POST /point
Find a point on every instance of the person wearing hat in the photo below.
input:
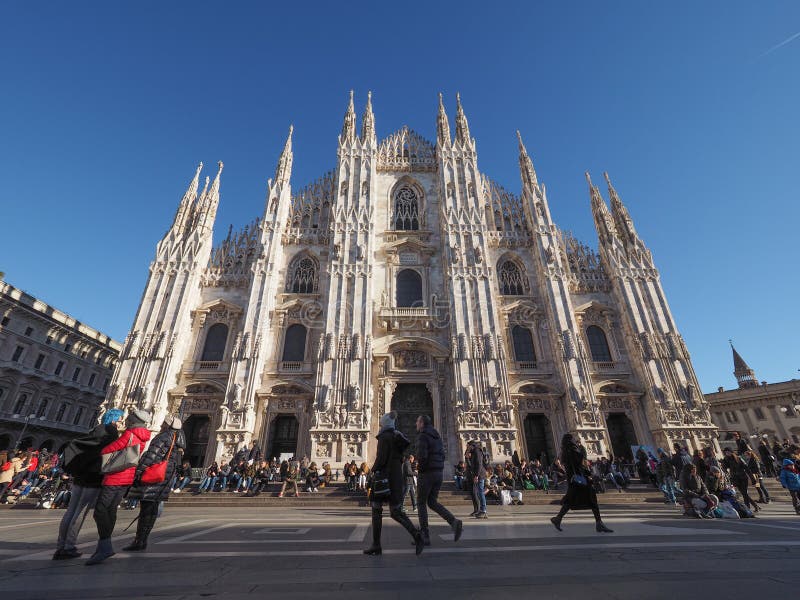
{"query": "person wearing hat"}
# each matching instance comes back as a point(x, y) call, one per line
point(389, 464)
point(167, 446)
point(82, 461)
point(116, 484)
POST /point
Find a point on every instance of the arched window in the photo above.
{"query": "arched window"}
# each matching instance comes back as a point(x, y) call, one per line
point(216, 338)
point(294, 344)
point(303, 277)
point(61, 410)
point(510, 278)
point(523, 344)
point(406, 209)
point(598, 344)
point(42, 408)
point(409, 288)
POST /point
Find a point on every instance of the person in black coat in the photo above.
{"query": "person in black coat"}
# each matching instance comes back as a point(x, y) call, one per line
point(82, 461)
point(389, 463)
point(580, 491)
point(168, 446)
point(430, 465)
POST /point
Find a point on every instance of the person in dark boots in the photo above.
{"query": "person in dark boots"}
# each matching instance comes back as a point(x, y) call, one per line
point(116, 483)
point(430, 465)
point(167, 446)
point(580, 491)
point(389, 463)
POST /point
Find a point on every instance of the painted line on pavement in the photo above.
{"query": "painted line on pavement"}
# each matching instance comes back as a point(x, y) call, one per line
point(358, 533)
point(454, 550)
point(25, 524)
point(48, 554)
point(195, 534)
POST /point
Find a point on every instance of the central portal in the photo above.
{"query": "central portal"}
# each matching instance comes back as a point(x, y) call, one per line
point(409, 401)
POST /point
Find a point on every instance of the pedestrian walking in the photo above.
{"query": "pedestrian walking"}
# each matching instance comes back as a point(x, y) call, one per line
point(167, 447)
point(580, 491)
point(410, 481)
point(388, 468)
point(430, 466)
point(477, 466)
point(119, 461)
point(82, 462)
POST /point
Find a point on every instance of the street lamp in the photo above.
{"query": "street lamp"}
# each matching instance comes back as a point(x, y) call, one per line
point(24, 427)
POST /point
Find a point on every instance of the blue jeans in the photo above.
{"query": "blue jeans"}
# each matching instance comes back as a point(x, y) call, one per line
point(244, 483)
point(223, 485)
point(459, 479)
point(668, 488)
point(208, 483)
point(478, 490)
point(182, 483)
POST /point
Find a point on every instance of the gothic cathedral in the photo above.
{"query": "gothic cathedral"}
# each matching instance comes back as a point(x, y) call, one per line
point(407, 280)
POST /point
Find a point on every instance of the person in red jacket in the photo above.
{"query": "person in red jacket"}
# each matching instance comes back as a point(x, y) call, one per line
point(115, 485)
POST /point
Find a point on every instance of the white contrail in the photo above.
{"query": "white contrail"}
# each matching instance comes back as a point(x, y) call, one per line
point(783, 43)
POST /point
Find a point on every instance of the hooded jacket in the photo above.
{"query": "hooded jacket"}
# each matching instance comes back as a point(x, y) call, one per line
point(790, 479)
point(134, 435)
point(430, 450)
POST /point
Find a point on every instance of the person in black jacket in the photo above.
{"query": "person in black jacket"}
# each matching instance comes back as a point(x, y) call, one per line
point(168, 446)
point(580, 491)
point(477, 467)
point(389, 463)
point(82, 461)
point(430, 464)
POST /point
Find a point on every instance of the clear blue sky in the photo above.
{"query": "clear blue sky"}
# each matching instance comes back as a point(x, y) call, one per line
point(106, 108)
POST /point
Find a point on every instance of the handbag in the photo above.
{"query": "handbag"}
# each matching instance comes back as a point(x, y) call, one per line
point(379, 490)
point(121, 459)
point(579, 480)
point(157, 472)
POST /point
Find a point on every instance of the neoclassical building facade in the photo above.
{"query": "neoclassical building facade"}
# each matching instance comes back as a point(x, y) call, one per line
point(54, 372)
point(406, 279)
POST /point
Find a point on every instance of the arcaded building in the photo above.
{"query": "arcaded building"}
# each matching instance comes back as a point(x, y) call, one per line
point(405, 278)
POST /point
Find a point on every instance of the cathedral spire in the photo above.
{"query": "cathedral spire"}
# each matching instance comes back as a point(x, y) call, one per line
point(349, 125)
point(603, 221)
point(284, 170)
point(188, 200)
point(622, 218)
point(526, 170)
point(743, 373)
point(368, 122)
point(442, 125)
point(462, 127)
point(209, 201)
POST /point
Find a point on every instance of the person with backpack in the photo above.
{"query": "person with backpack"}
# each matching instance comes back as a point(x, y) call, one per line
point(430, 466)
point(118, 475)
point(163, 454)
point(82, 462)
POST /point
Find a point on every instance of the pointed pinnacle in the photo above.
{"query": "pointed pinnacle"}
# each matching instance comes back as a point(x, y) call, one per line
point(589, 180)
point(441, 101)
point(459, 108)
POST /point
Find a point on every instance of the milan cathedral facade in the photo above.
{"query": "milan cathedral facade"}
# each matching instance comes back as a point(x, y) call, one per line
point(406, 279)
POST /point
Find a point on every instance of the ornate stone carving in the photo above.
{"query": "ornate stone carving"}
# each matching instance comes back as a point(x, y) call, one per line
point(410, 359)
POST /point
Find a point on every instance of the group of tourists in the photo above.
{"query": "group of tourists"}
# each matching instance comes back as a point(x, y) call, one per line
point(118, 459)
point(22, 471)
point(250, 475)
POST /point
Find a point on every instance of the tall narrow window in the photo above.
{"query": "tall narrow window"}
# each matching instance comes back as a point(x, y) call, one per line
point(406, 209)
point(20, 405)
point(61, 410)
point(409, 288)
point(92, 377)
point(294, 344)
point(59, 367)
point(17, 353)
point(598, 344)
point(42, 408)
point(76, 373)
point(303, 277)
point(39, 361)
point(216, 338)
point(510, 279)
point(523, 344)
point(78, 414)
